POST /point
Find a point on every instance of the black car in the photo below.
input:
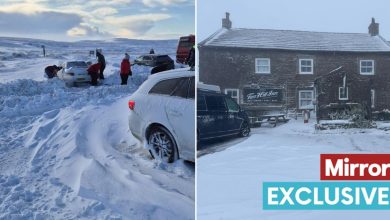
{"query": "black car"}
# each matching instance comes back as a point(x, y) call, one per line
point(158, 62)
point(218, 115)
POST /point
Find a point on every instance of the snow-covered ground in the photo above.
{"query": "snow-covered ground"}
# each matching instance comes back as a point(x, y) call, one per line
point(66, 153)
point(229, 182)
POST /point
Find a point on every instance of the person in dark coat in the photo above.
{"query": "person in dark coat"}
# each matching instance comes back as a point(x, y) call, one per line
point(151, 51)
point(51, 71)
point(191, 57)
point(125, 69)
point(102, 62)
point(93, 71)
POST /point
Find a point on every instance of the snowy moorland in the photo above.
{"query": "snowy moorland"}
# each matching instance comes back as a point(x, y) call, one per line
point(67, 153)
point(229, 182)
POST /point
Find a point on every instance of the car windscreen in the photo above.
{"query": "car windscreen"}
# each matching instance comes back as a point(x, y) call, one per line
point(232, 105)
point(215, 103)
point(77, 64)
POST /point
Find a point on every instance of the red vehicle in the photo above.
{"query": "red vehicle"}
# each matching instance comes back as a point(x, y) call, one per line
point(183, 48)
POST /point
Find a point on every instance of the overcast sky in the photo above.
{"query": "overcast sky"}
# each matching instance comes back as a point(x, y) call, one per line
point(352, 16)
point(71, 20)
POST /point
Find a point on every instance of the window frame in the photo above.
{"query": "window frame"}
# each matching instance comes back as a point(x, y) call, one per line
point(300, 99)
point(367, 73)
point(347, 98)
point(269, 66)
point(300, 66)
point(237, 99)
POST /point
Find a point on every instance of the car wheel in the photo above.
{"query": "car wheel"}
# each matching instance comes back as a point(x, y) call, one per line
point(245, 130)
point(162, 144)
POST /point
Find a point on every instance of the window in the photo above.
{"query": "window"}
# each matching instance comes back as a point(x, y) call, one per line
point(231, 105)
point(367, 67)
point(234, 93)
point(201, 103)
point(263, 65)
point(174, 87)
point(215, 103)
point(191, 90)
point(372, 98)
point(306, 99)
point(343, 93)
point(181, 88)
point(305, 66)
point(164, 87)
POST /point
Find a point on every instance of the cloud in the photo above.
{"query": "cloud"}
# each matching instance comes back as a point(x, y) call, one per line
point(87, 31)
point(105, 11)
point(155, 3)
point(38, 22)
point(134, 25)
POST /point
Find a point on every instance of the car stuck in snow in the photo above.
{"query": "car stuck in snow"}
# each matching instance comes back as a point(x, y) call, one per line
point(162, 115)
point(159, 62)
point(74, 72)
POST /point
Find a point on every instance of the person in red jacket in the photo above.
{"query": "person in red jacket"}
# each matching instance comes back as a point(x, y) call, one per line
point(125, 69)
point(93, 71)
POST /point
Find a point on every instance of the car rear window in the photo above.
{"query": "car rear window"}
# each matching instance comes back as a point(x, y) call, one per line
point(215, 103)
point(77, 64)
point(163, 58)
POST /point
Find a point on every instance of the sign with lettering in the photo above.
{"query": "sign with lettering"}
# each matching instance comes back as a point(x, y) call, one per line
point(263, 95)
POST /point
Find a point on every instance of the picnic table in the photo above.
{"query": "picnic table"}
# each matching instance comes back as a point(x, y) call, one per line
point(272, 119)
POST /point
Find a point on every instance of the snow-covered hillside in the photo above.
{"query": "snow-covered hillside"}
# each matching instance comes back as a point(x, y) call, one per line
point(66, 153)
point(229, 182)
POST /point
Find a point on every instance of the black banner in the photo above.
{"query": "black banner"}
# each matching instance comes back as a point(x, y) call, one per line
point(263, 95)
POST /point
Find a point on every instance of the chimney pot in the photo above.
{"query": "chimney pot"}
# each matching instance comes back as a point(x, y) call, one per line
point(226, 23)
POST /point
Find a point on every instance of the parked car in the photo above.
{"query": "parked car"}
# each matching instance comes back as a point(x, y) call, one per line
point(74, 72)
point(159, 62)
point(183, 48)
point(218, 115)
point(162, 115)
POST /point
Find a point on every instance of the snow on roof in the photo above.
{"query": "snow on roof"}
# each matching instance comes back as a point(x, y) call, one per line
point(297, 40)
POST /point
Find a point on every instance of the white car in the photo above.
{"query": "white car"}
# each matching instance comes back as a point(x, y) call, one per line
point(162, 115)
point(74, 72)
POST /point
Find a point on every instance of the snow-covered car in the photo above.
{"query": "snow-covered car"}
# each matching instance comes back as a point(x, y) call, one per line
point(74, 72)
point(162, 115)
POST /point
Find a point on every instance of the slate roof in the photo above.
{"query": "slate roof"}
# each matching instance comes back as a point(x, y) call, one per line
point(297, 40)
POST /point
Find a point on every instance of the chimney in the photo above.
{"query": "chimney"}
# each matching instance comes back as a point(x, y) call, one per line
point(226, 23)
point(373, 29)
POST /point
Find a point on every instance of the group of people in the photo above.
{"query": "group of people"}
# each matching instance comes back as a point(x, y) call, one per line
point(96, 70)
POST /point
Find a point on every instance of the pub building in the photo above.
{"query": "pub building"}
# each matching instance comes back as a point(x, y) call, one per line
point(267, 70)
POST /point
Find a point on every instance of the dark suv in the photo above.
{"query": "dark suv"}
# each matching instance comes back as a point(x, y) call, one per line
point(159, 62)
point(218, 115)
